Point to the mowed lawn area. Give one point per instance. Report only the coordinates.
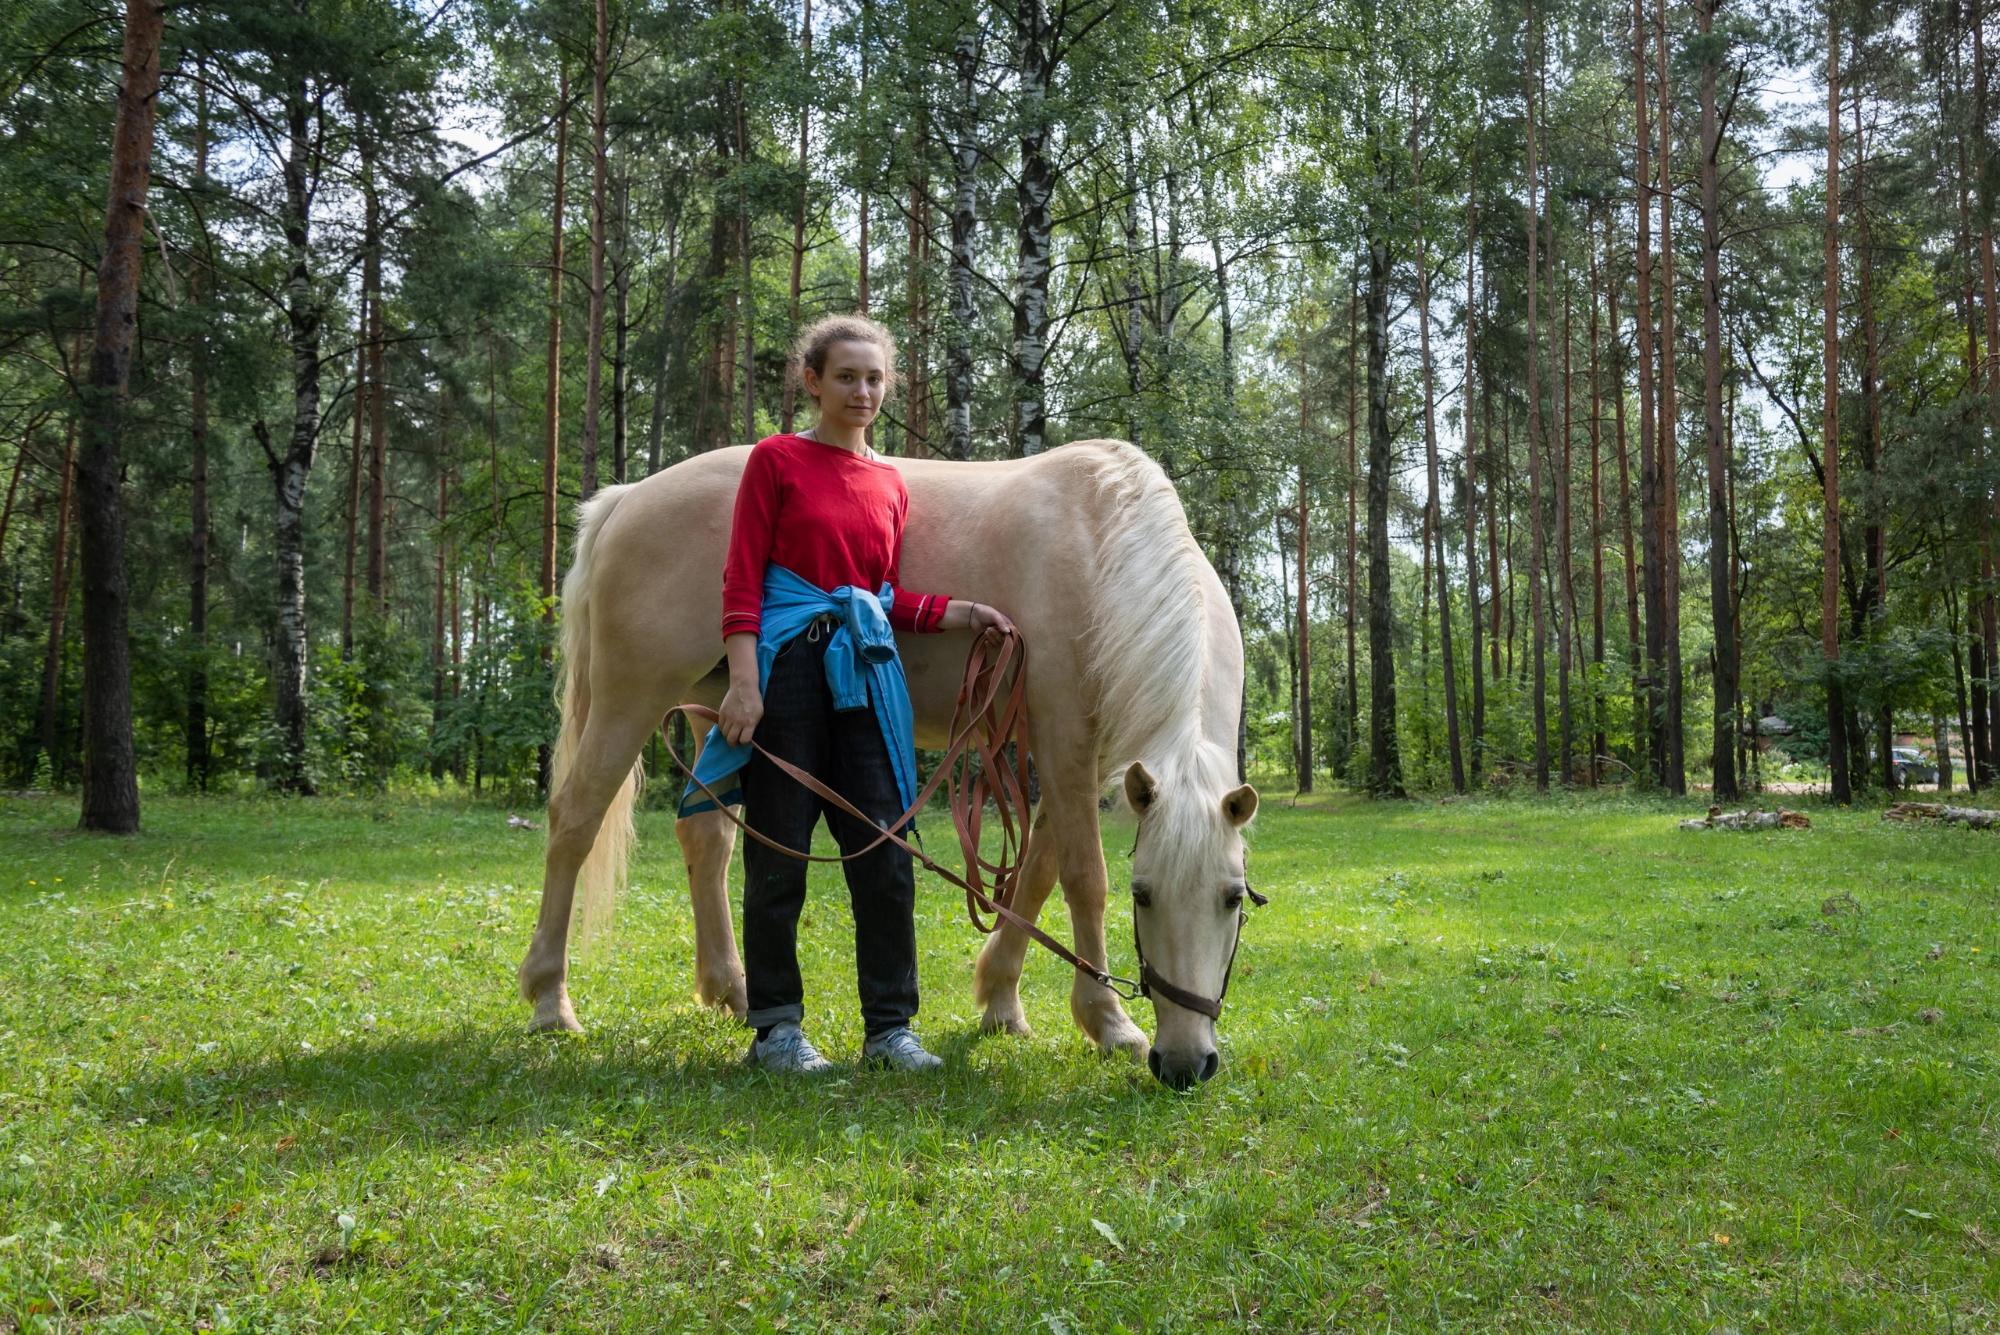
(1500, 1064)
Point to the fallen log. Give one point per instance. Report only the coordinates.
(1718, 819)
(1979, 818)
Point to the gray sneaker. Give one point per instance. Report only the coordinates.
(900, 1050)
(786, 1049)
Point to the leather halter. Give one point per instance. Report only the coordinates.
(1151, 983)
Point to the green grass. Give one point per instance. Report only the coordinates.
(1495, 1065)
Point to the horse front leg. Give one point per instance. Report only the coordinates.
(707, 841)
(996, 981)
(1095, 1007)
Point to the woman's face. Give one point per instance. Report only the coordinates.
(850, 389)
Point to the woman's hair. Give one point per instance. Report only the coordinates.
(810, 348)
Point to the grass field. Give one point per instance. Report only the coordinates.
(1491, 1065)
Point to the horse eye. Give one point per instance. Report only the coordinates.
(1233, 899)
(1142, 897)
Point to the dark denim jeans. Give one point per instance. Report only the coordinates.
(845, 751)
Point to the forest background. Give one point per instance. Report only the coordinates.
(1567, 393)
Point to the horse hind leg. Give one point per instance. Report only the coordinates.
(708, 840)
(599, 781)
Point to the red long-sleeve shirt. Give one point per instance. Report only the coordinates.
(826, 514)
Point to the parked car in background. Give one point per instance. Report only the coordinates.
(1911, 767)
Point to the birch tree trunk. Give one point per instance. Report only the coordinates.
(1474, 375)
(1453, 743)
(1034, 45)
(1537, 613)
(964, 195)
(290, 472)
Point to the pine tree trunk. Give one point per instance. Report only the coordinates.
(60, 566)
(378, 395)
(1565, 560)
(621, 296)
(748, 300)
(1632, 640)
(1990, 612)
(1669, 460)
(790, 408)
(1836, 706)
(552, 405)
(1873, 608)
(198, 518)
(110, 777)
(593, 356)
(1649, 465)
(1385, 774)
(1721, 584)
(1538, 614)
(438, 564)
(670, 339)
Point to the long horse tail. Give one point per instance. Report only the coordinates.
(602, 874)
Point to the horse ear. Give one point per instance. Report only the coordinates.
(1240, 805)
(1140, 788)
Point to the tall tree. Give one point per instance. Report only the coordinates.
(110, 774)
(1720, 581)
(1836, 707)
(593, 357)
(1536, 445)
(1669, 455)
(1435, 513)
(1385, 766)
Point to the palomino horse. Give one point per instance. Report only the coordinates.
(1136, 667)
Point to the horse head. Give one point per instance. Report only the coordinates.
(1190, 897)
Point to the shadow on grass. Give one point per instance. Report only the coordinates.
(500, 1087)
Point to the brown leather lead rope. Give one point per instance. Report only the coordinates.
(999, 774)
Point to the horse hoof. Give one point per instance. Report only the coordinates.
(1005, 1022)
(1123, 1040)
(730, 994)
(555, 1017)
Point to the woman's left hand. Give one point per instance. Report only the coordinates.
(990, 618)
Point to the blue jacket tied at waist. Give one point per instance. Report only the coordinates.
(862, 670)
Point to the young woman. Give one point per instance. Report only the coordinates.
(809, 598)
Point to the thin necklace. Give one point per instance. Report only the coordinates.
(811, 433)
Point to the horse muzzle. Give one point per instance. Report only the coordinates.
(1183, 1071)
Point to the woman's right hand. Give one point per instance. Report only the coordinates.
(742, 709)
